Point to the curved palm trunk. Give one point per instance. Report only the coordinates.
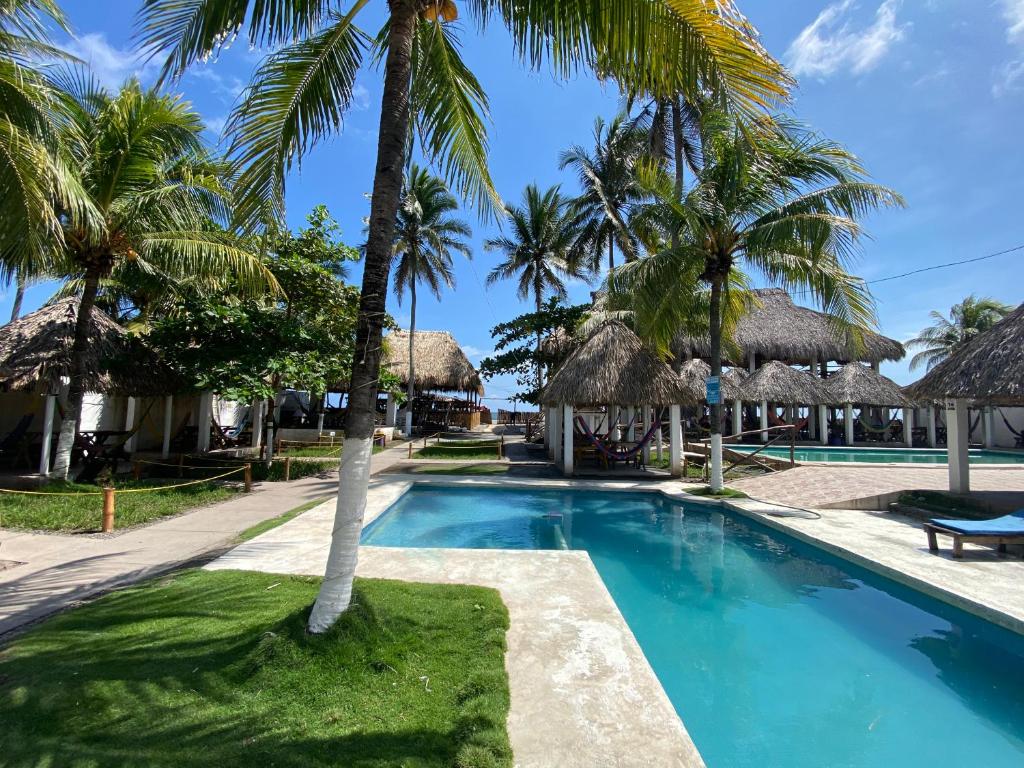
(76, 389)
(716, 370)
(411, 387)
(19, 297)
(538, 295)
(336, 589)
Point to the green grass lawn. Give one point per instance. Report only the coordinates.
(215, 669)
(462, 469)
(725, 493)
(53, 512)
(274, 522)
(468, 450)
(298, 451)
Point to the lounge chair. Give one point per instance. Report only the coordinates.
(1008, 529)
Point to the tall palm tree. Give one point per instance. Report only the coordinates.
(157, 193)
(426, 235)
(540, 249)
(610, 189)
(966, 320)
(299, 95)
(770, 198)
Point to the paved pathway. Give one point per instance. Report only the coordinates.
(59, 570)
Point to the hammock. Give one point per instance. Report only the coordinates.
(877, 430)
(625, 455)
(1006, 421)
(775, 421)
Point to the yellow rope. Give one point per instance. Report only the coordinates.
(181, 466)
(53, 493)
(122, 490)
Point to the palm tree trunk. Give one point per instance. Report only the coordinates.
(19, 296)
(715, 319)
(611, 251)
(354, 477)
(538, 295)
(76, 388)
(677, 161)
(411, 386)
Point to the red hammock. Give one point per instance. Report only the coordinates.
(625, 455)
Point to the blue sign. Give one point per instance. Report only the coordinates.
(714, 390)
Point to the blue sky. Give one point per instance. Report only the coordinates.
(929, 93)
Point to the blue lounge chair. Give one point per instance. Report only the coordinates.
(1008, 529)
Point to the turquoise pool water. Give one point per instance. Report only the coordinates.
(883, 455)
(774, 653)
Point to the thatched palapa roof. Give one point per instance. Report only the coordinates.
(989, 369)
(614, 367)
(778, 383)
(35, 355)
(694, 375)
(777, 329)
(440, 363)
(856, 383)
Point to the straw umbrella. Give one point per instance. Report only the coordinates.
(856, 384)
(613, 367)
(776, 382)
(988, 370)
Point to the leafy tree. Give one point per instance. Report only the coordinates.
(540, 250)
(770, 197)
(519, 355)
(966, 320)
(426, 235)
(299, 95)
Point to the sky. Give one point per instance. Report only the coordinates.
(928, 93)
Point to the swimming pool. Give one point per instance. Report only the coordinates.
(773, 652)
(882, 455)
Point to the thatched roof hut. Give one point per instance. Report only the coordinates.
(614, 367)
(856, 383)
(989, 369)
(776, 382)
(35, 355)
(777, 329)
(694, 375)
(440, 363)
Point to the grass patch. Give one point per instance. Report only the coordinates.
(299, 470)
(462, 469)
(468, 450)
(274, 522)
(51, 512)
(316, 451)
(946, 504)
(215, 669)
(725, 493)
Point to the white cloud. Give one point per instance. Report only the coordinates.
(830, 44)
(228, 88)
(1009, 78)
(1013, 13)
(110, 65)
(360, 98)
(472, 351)
(215, 125)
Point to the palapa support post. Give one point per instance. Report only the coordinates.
(108, 509)
(247, 477)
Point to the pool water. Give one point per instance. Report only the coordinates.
(883, 455)
(773, 652)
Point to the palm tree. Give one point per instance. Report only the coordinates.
(966, 320)
(157, 194)
(425, 238)
(770, 198)
(610, 188)
(540, 249)
(300, 94)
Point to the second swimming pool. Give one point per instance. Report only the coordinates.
(844, 455)
(773, 652)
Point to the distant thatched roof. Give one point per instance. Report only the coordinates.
(35, 355)
(778, 329)
(694, 375)
(988, 369)
(778, 383)
(856, 383)
(440, 363)
(613, 367)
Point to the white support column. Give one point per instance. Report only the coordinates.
(814, 413)
(675, 435)
(751, 362)
(165, 447)
(822, 424)
(908, 427)
(957, 428)
(848, 423)
(556, 434)
(631, 415)
(390, 411)
(49, 408)
(659, 434)
(258, 407)
(567, 446)
(129, 424)
(988, 422)
(933, 439)
(203, 422)
(875, 366)
(648, 422)
(737, 416)
(764, 421)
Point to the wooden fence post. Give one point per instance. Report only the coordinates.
(287, 468)
(108, 509)
(137, 470)
(247, 477)
(410, 449)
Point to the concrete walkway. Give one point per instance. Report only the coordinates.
(56, 571)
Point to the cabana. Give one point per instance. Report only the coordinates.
(987, 371)
(694, 375)
(35, 363)
(856, 384)
(776, 382)
(439, 365)
(612, 369)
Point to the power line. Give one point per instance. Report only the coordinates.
(949, 264)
